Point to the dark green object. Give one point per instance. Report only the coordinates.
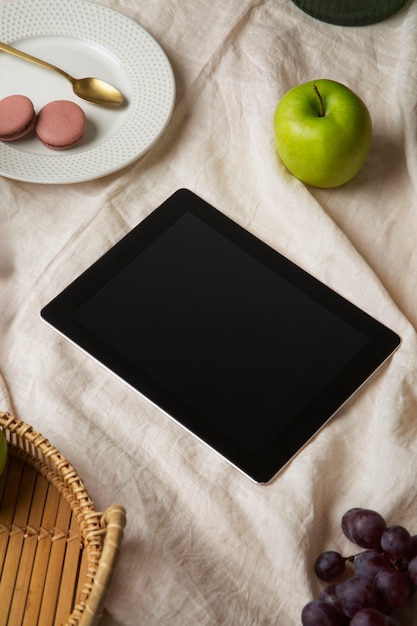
(351, 12)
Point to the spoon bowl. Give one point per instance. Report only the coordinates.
(91, 89)
(97, 91)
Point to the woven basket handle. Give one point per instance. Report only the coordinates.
(114, 521)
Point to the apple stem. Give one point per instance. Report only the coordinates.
(318, 94)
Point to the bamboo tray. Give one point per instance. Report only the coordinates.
(57, 554)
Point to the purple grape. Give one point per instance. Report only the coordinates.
(329, 595)
(392, 588)
(329, 565)
(369, 617)
(396, 542)
(413, 548)
(355, 594)
(412, 570)
(364, 527)
(347, 522)
(367, 564)
(318, 613)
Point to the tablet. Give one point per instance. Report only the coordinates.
(240, 346)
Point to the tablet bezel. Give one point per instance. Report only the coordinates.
(261, 467)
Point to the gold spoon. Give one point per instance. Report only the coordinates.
(91, 89)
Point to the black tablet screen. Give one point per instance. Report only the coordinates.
(230, 337)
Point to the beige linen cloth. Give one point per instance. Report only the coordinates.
(204, 545)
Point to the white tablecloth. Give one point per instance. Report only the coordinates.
(204, 545)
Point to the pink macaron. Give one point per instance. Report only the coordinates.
(60, 124)
(17, 117)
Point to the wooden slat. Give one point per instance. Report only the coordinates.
(16, 540)
(56, 560)
(11, 489)
(40, 565)
(23, 579)
(69, 573)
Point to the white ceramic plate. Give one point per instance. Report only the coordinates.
(85, 39)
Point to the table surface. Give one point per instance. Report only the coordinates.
(204, 545)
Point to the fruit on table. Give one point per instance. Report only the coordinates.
(3, 450)
(323, 132)
(383, 576)
(329, 565)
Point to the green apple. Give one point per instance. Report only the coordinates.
(3, 450)
(323, 132)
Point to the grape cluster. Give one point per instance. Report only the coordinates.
(383, 579)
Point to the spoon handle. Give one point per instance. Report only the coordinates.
(28, 57)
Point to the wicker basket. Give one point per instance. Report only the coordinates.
(57, 554)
